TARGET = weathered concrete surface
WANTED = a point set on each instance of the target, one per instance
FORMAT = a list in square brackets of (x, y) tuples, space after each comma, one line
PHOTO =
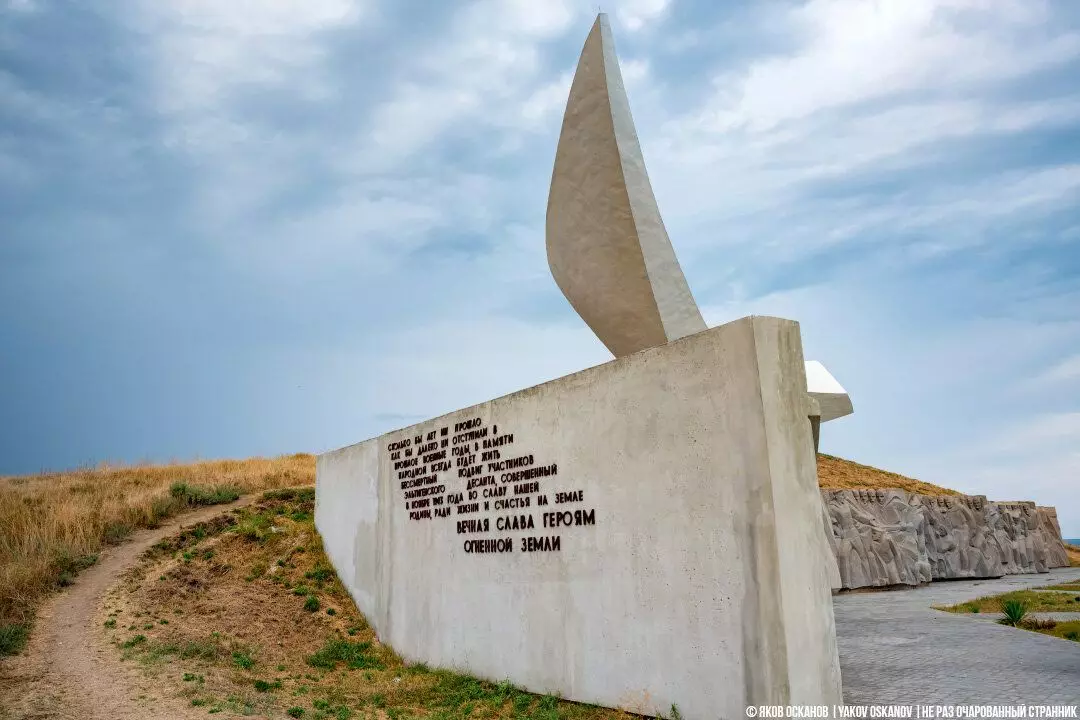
[(702, 580), (606, 243), (896, 650), (893, 537)]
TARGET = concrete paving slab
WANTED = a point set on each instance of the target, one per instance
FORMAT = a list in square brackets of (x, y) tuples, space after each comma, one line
[(896, 649)]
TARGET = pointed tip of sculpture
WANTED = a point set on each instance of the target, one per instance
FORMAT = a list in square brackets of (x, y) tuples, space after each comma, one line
[(607, 247)]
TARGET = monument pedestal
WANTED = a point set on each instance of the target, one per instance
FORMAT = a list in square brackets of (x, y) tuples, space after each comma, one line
[(644, 533)]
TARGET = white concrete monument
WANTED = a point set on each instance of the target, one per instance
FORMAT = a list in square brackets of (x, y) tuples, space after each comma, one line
[(641, 534), (607, 246)]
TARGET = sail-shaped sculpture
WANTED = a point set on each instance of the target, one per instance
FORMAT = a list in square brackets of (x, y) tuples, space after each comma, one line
[(606, 244)]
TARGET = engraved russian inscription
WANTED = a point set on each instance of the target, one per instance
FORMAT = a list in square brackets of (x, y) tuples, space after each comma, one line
[(471, 471)]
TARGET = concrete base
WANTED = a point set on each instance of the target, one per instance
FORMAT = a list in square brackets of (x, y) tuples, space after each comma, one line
[(641, 534)]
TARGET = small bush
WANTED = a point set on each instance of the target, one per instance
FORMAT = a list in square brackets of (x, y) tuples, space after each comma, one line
[(298, 494), (1072, 635), (137, 640), (331, 611), (243, 660), (193, 495), (1038, 624), (264, 686), (201, 649), (311, 604), (353, 654), (13, 637), (295, 712), (1014, 611), (115, 533), (254, 527), (320, 574)]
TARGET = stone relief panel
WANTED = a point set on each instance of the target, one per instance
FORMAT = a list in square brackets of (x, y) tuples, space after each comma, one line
[(893, 537)]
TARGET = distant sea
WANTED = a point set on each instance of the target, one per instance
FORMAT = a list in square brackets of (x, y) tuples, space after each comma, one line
[(1073, 541)]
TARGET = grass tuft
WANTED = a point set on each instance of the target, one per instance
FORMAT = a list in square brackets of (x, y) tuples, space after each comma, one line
[(13, 638), (243, 660), (196, 495), (354, 655)]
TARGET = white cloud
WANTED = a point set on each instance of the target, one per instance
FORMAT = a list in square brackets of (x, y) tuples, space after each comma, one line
[(863, 88), (25, 6), (853, 51), (636, 14), (483, 72), (1068, 370), (208, 49)]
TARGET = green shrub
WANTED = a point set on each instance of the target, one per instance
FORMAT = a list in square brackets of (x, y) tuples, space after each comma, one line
[(116, 532), (1014, 610), (297, 494), (311, 604), (320, 574), (243, 660), (295, 712), (13, 637), (137, 640), (193, 495)]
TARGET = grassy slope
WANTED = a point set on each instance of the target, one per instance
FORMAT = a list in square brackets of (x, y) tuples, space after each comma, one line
[(185, 617), (53, 525)]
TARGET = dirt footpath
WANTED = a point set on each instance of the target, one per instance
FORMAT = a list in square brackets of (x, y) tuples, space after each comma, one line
[(70, 670)]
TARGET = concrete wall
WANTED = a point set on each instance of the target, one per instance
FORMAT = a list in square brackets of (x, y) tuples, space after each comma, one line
[(693, 570), (893, 537)]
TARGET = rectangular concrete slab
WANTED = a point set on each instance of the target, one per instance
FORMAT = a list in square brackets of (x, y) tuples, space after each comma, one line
[(641, 534)]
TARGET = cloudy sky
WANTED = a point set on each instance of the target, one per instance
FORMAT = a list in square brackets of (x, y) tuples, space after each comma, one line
[(265, 226)]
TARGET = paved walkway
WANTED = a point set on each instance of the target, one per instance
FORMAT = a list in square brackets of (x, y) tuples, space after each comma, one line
[(895, 649)]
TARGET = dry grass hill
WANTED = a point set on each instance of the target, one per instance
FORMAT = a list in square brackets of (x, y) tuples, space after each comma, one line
[(839, 474)]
